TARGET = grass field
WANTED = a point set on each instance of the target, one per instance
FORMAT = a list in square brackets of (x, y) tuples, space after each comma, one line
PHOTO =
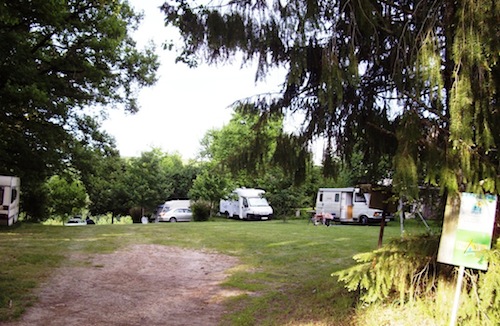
[(286, 266)]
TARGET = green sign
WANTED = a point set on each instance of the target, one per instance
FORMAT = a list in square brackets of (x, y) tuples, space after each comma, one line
[(467, 230)]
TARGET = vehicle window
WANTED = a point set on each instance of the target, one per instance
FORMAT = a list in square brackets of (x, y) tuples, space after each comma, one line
[(321, 197), (13, 196), (1, 195), (257, 201), (359, 198), (337, 198)]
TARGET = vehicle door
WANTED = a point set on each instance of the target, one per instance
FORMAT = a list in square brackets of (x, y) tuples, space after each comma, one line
[(184, 214), (346, 206)]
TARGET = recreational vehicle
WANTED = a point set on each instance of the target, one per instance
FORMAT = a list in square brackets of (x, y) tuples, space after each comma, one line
[(347, 205), (246, 204), (9, 197)]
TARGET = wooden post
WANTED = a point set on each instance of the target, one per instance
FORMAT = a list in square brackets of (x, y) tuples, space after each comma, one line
[(381, 233), (401, 216)]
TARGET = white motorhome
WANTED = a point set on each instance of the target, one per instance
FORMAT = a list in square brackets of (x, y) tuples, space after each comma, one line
[(9, 197), (347, 205), (246, 204)]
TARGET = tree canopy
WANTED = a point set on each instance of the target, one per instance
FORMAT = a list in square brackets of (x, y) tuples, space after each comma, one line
[(244, 154), (62, 64), (416, 81)]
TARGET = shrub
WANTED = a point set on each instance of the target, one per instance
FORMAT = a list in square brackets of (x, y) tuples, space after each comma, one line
[(406, 276), (136, 214), (201, 210), (402, 269)]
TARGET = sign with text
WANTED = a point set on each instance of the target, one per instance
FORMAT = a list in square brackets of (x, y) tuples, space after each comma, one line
[(467, 230)]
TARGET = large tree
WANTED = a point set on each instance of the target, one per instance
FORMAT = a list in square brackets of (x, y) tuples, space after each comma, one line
[(145, 183), (180, 174), (62, 63), (413, 80), (67, 196), (245, 153)]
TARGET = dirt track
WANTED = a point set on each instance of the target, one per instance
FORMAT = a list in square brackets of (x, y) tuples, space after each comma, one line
[(140, 285)]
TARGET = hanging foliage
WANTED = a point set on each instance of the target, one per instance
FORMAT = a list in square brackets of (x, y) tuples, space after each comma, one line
[(358, 70)]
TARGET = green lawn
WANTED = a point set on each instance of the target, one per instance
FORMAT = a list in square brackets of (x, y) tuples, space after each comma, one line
[(285, 266)]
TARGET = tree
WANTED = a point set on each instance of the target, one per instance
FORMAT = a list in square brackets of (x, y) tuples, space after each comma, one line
[(240, 157), (180, 175), (145, 182), (62, 63), (66, 197), (116, 185), (237, 152), (103, 176), (416, 81), (210, 186), (233, 155), (247, 143)]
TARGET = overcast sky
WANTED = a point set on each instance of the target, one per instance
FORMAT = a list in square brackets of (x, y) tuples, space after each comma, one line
[(185, 103)]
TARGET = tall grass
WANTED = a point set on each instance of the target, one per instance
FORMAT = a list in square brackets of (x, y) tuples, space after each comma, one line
[(285, 270)]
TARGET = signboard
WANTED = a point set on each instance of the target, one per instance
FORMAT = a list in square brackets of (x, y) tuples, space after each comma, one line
[(383, 199), (467, 230)]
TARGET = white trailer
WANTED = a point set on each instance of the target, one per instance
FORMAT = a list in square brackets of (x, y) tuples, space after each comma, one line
[(9, 197), (246, 204), (347, 205)]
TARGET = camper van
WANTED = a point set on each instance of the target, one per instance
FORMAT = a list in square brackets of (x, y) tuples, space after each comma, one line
[(9, 197), (246, 204), (347, 205)]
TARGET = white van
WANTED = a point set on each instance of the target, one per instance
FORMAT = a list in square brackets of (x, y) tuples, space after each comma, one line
[(246, 204), (9, 199), (347, 205), (164, 212)]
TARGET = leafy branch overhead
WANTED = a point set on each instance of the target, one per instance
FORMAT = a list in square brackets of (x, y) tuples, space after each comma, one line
[(62, 64), (416, 81)]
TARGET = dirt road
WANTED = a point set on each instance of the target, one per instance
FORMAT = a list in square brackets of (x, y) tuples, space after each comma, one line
[(140, 285)]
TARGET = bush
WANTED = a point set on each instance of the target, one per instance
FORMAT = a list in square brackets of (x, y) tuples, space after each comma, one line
[(403, 269), (201, 210), (136, 214), (406, 276)]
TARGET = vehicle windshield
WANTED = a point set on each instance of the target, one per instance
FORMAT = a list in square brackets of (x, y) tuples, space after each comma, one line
[(257, 201), (163, 209), (360, 198)]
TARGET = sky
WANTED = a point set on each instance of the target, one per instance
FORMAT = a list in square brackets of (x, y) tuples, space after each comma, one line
[(185, 103)]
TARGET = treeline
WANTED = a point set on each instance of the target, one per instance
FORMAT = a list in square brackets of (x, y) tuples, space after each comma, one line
[(118, 185), (103, 184)]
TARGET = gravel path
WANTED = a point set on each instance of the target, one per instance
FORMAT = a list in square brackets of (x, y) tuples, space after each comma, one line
[(140, 285)]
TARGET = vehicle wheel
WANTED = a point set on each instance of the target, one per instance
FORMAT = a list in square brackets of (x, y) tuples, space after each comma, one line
[(363, 220), (226, 214), (172, 220)]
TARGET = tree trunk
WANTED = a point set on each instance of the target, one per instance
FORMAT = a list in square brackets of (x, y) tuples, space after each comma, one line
[(381, 233)]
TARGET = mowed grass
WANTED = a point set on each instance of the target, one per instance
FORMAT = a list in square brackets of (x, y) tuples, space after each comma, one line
[(284, 272)]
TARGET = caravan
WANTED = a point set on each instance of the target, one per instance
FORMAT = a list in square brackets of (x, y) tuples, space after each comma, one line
[(9, 197), (347, 205), (246, 204)]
